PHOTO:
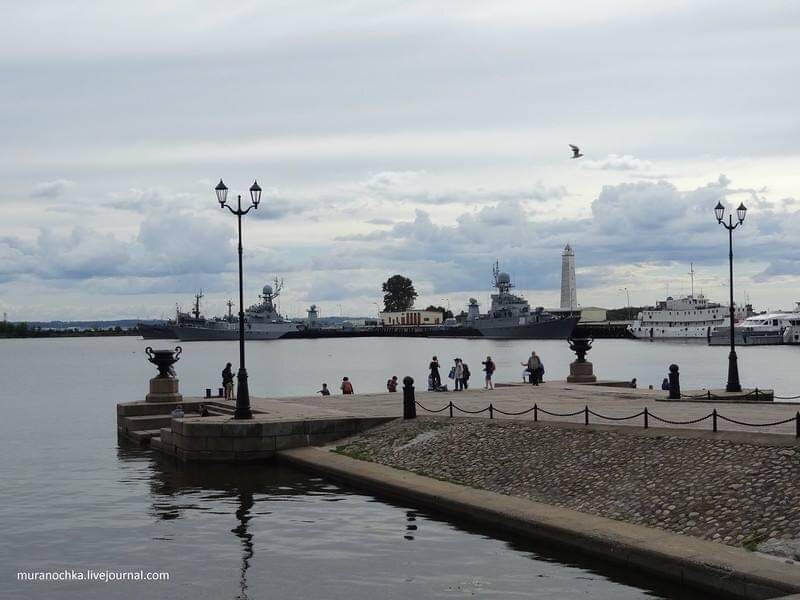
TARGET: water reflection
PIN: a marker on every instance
(243, 514)
(311, 527)
(411, 518)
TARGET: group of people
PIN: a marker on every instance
(346, 387)
(534, 369)
(460, 374)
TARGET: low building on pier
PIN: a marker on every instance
(412, 318)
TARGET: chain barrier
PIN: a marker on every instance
(657, 418)
(791, 419)
(516, 414)
(599, 416)
(586, 411)
(754, 393)
(555, 414)
(445, 407)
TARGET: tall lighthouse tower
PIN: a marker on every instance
(569, 297)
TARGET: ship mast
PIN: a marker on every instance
(691, 275)
(196, 309)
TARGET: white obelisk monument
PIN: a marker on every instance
(569, 296)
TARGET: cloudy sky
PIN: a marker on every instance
(422, 138)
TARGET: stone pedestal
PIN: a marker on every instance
(164, 389)
(581, 372)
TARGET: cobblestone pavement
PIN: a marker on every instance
(730, 492)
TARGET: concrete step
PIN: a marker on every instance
(220, 409)
(145, 422)
(155, 443)
(136, 409)
(144, 437)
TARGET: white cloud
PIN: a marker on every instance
(51, 189)
(614, 162)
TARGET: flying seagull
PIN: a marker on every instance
(576, 152)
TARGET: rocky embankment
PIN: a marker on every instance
(730, 492)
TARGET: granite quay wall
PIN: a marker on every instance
(223, 439)
(722, 570)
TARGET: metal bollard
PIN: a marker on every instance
(220, 392)
(714, 419)
(585, 415)
(208, 392)
(409, 402)
(646, 418)
(674, 383)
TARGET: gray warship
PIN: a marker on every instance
(262, 321)
(166, 330)
(511, 316)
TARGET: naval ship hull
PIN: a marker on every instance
(211, 334)
(507, 329)
(157, 332)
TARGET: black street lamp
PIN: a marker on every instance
(733, 367)
(242, 392)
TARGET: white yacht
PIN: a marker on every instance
(780, 327)
(687, 317)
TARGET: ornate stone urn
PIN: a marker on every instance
(164, 386)
(581, 371)
(163, 359)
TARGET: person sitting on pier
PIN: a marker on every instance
(227, 381)
(346, 387)
(391, 384)
(665, 384)
(203, 410)
(324, 391)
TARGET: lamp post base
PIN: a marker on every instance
(733, 374)
(242, 397)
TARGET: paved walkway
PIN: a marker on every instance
(558, 397)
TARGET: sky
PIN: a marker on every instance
(428, 139)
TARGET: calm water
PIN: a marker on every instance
(70, 497)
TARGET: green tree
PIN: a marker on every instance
(398, 294)
(448, 314)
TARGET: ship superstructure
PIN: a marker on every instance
(510, 316)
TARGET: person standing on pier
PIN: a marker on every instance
(534, 365)
(489, 368)
(346, 387)
(324, 391)
(391, 384)
(458, 375)
(435, 377)
(227, 381)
